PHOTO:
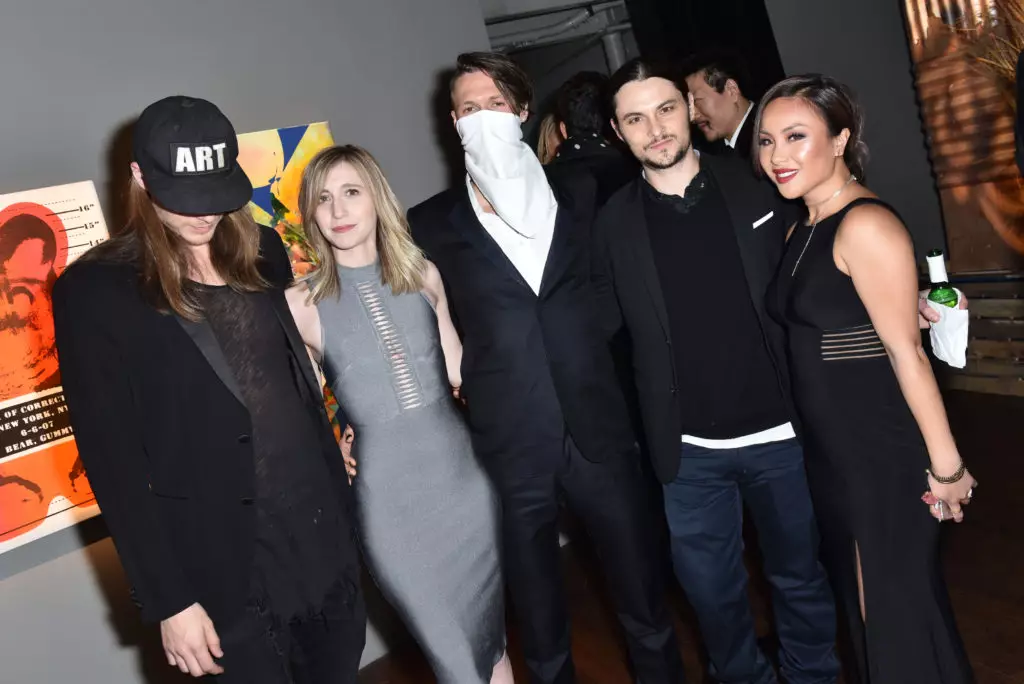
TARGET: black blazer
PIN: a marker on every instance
(164, 434)
(626, 280)
(610, 168)
(532, 365)
(745, 141)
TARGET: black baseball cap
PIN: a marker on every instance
(187, 151)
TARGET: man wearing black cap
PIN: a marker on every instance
(201, 424)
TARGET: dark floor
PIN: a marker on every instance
(984, 559)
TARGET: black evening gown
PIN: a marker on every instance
(866, 462)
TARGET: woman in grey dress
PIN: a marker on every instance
(374, 315)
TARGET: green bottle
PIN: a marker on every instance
(942, 292)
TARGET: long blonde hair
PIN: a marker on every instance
(548, 139)
(163, 258)
(401, 262)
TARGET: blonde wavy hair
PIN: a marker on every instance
(549, 138)
(401, 262)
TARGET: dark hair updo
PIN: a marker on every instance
(836, 105)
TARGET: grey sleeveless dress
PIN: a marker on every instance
(428, 518)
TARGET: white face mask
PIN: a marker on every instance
(506, 170)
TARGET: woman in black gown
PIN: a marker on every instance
(881, 459)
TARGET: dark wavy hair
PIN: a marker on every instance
(837, 106)
(718, 67)
(641, 69)
(580, 103)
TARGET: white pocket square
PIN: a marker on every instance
(764, 218)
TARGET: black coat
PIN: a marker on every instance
(627, 282)
(744, 143)
(532, 365)
(607, 165)
(165, 436)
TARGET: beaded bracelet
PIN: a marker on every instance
(952, 479)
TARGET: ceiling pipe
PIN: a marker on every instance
(596, 6)
(521, 39)
(614, 50)
(600, 33)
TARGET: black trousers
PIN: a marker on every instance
(261, 648)
(609, 499)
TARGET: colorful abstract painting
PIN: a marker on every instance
(274, 160)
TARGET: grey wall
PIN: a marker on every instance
(73, 74)
(864, 45)
(74, 71)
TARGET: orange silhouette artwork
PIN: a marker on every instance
(33, 252)
(40, 472)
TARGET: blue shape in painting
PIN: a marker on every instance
(290, 139)
(261, 198)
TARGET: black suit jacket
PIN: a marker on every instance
(745, 141)
(610, 168)
(532, 365)
(626, 280)
(164, 434)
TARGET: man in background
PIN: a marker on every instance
(722, 108)
(586, 150)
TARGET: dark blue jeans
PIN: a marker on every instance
(704, 507)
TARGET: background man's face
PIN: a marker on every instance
(715, 113)
(28, 353)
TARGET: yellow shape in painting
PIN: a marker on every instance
(259, 215)
(261, 156)
(316, 138)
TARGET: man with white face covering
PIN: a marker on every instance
(547, 413)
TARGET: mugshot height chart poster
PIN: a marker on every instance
(42, 483)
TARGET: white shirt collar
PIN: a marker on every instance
(477, 208)
(731, 142)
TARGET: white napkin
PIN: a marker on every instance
(949, 335)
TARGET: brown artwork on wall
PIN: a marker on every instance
(968, 111)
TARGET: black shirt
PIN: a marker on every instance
(728, 385)
(302, 550)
